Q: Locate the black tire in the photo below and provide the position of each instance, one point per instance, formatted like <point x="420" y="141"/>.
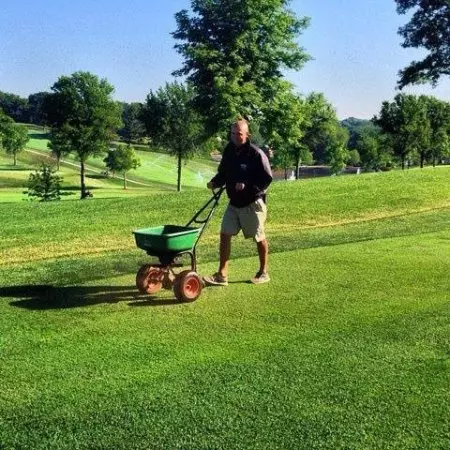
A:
<point x="149" y="279"/>
<point x="187" y="286"/>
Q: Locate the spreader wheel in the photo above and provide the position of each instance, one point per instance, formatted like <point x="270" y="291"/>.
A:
<point x="187" y="286"/>
<point x="149" y="279"/>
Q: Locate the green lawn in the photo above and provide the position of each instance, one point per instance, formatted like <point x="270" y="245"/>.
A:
<point x="156" y="168"/>
<point x="347" y="347"/>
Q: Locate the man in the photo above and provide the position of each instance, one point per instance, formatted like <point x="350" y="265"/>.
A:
<point x="246" y="173"/>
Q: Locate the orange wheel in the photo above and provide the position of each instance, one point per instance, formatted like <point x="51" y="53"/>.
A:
<point x="149" y="279"/>
<point x="187" y="286"/>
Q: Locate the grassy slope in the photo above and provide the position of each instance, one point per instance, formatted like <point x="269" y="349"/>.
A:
<point x="155" y="167"/>
<point x="347" y="347"/>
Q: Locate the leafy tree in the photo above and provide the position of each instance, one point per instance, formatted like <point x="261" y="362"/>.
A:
<point x="282" y="125"/>
<point x="428" y="28"/>
<point x="438" y="113"/>
<point x="354" y="157"/>
<point x="336" y="153"/>
<point x="374" y="149"/>
<point x="133" y="128"/>
<point x="319" y="125"/>
<point x="122" y="159"/>
<point x="44" y="184"/>
<point x="36" y="108"/>
<point x="172" y="122"/>
<point x="234" y="52"/>
<point x="83" y="117"/>
<point x="14" y="106"/>
<point x="405" y="120"/>
<point x="14" y="137"/>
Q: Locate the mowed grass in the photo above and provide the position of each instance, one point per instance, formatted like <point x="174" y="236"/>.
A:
<point x="347" y="347"/>
<point x="156" y="168"/>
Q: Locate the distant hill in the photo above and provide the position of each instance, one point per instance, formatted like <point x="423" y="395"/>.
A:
<point x="355" y="126"/>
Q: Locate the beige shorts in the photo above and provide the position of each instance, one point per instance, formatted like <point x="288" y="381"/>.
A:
<point x="250" y="219"/>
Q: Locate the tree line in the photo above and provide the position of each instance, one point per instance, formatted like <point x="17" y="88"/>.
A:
<point x="233" y="67"/>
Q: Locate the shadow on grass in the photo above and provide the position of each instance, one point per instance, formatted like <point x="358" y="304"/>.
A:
<point x="39" y="136"/>
<point x="45" y="297"/>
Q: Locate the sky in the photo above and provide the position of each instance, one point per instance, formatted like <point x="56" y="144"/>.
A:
<point x="354" y="44"/>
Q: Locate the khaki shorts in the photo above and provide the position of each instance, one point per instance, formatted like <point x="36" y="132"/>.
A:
<point x="250" y="219"/>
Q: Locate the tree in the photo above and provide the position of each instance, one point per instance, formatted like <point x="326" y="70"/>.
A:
<point x="234" y="52"/>
<point x="373" y="148"/>
<point x="44" y="184"/>
<point x="133" y="127"/>
<point x="439" y="119"/>
<point x="429" y="28"/>
<point x="122" y="159"/>
<point x="405" y="120"/>
<point x="36" y="108"/>
<point x="14" y="106"/>
<point x="13" y="137"/>
<point x="172" y="122"/>
<point x="336" y="153"/>
<point x="83" y="117"/>
<point x="319" y="124"/>
<point x="283" y="126"/>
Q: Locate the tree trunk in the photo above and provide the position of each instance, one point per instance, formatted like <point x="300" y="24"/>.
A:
<point x="83" y="186"/>
<point x="403" y="163"/>
<point x="422" y="158"/>
<point x="179" y="173"/>
<point x="297" y="167"/>
<point x="15" y="158"/>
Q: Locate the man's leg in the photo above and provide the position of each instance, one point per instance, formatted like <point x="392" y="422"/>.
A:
<point x="263" y="253"/>
<point x="225" y="251"/>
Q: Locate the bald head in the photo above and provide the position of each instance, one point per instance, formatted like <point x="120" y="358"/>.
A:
<point x="239" y="132"/>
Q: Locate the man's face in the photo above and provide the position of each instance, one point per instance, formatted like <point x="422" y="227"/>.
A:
<point x="239" y="134"/>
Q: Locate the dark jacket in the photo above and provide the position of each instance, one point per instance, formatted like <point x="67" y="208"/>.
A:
<point x="250" y="166"/>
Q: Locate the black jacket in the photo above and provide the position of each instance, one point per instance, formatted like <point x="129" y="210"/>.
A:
<point x="250" y="166"/>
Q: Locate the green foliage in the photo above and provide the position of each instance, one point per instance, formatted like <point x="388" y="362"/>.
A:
<point x="172" y="122"/>
<point x="336" y="153"/>
<point x="83" y="117"/>
<point x="44" y="184"/>
<point x="234" y="52"/>
<point x="417" y="126"/>
<point x="37" y="108"/>
<point x="354" y="158"/>
<point x="283" y="126"/>
<point x="122" y="159"/>
<point x="428" y="28"/>
<point x="373" y="148"/>
<point x="14" y="106"/>
<point x="13" y="137"/>
<point x="133" y="129"/>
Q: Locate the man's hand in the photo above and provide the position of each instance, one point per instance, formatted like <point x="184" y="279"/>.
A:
<point x="239" y="187"/>
<point x="210" y="185"/>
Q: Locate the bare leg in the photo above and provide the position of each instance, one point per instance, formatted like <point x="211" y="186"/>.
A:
<point x="263" y="253"/>
<point x="225" y="250"/>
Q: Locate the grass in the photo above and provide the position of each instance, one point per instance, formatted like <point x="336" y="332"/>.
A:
<point x="347" y="347"/>
<point x="156" y="168"/>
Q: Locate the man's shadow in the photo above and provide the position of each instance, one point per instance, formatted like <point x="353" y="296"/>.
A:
<point x="45" y="297"/>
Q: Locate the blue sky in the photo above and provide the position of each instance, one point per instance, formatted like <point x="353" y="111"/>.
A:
<point x="355" y="47"/>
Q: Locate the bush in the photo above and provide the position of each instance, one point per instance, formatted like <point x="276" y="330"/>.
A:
<point x="44" y="184"/>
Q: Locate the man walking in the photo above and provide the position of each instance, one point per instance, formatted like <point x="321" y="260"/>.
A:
<point x="246" y="173"/>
